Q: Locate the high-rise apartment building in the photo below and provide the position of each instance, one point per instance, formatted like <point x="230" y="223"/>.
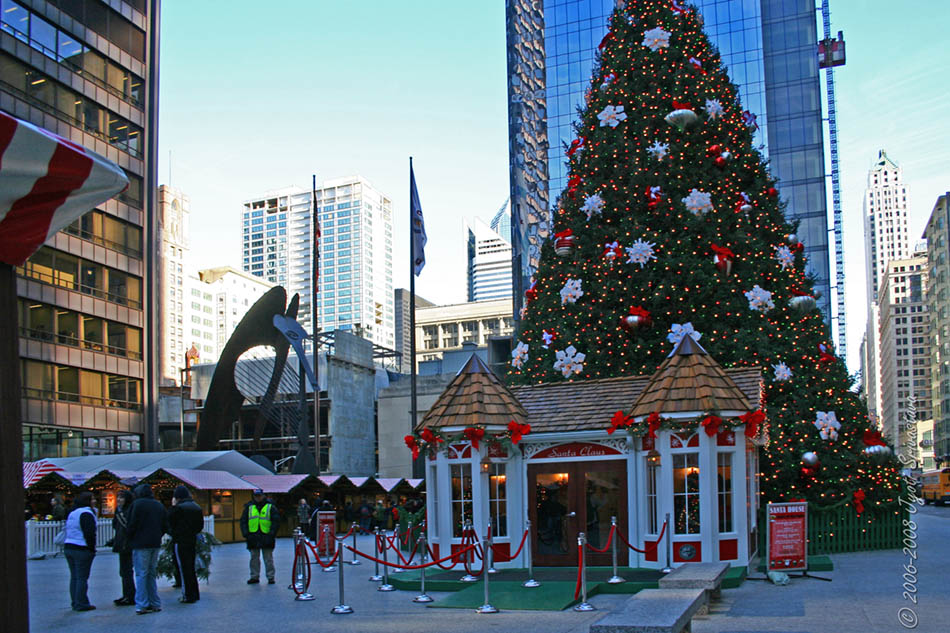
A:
<point x="489" y="263"/>
<point x="402" y="320"/>
<point x="886" y="239"/>
<point x="501" y="221"/>
<point x="770" y="49"/>
<point x="356" y="245"/>
<point x="88" y="71"/>
<point x="905" y="346"/>
<point x="937" y="235"/>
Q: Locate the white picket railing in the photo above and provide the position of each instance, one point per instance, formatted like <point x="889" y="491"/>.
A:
<point x="40" y="535"/>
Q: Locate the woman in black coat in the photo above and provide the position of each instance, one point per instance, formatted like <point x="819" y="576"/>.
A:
<point x="122" y="547"/>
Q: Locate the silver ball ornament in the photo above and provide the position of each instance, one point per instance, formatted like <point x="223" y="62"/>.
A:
<point x="810" y="459"/>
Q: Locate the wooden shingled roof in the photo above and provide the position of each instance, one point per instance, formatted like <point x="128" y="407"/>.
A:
<point x="587" y="405"/>
<point x="690" y="381"/>
<point x="474" y="397"/>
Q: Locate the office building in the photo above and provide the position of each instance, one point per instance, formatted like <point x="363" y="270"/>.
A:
<point x="356" y="290"/>
<point x="402" y="321"/>
<point x="501" y="221"/>
<point x="231" y="293"/>
<point x="174" y="210"/>
<point x="88" y="71"/>
<point x="937" y="235"/>
<point x="905" y="346"/>
<point x="489" y="263"/>
<point x="770" y="49"/>
<point x="446" y="328"/>
<point x="886" y="239"/>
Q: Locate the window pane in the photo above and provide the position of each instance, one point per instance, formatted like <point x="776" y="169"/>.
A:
<point x="724" y="479"/>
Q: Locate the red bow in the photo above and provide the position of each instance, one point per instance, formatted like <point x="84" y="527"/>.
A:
<point x="797" y="247"/>
<point x="859" y="501"/>
<point x="604" y="41"/>
<point x="653" y="423"/>
<point x="653" y="196"/>
<point x="677" y="8"/>
<point x="618" y="421"/>
<point x="517" y="431"/>
<point x="711" y="424"/>
<point x="749" y="119"/>
<point x="564" y="233"/>
<point x="681" y="105"/>
<point x="640" y="312"/>
<point x="413" y="446"/>
<point x="800" y="293"/>
<point x="430" y="437"/>
<point x="698" y="65"/>
<point x="572" y="184"/>
<point x="752" y="420"/>
<point x="873" y="438"/>
<point x="617" y="251"/>
<point x="473" y="434"/>
<point x="723" y="252"/>
<point x="576" y="144"/>
<point x="824" y="357"/>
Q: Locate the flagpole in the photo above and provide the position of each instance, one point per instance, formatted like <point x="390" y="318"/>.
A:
<point x="315" y="325"/>
<point x="412" y="308"/>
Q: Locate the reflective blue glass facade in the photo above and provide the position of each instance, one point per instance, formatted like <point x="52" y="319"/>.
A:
<point x="770" y="50"/>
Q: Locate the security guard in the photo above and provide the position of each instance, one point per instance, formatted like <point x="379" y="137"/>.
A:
<point x="259" y="527"/>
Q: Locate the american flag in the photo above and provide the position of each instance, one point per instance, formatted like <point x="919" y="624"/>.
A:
<point x="46" y="182"/>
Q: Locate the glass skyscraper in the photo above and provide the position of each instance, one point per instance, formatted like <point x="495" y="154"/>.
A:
<point x="770" y="50"/>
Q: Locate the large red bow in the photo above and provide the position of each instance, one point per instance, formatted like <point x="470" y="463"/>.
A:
<point x="518" y="430"/>
<point x="711" y="424"/>
<point x="564" y="233"/>
<point x="413" y="446"/>
<point x="576" y="144"/>
<point x="572" y="184"/>
<point x="619" y="420"/>
<point x="681" y="105"/>
<point x="653" y="423"/>
<point x="859" y="501"/>
<point x="473" y="434"/>
<point x="722" y="251"/>
<point x="824" y="357"/>
<point x="603" y="42"/>
<point x="428" y="436"/>
<point x="752" y="420"/>
<point x="873" y="438"/>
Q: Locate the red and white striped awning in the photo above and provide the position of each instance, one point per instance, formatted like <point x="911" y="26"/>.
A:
<point x="34" y="471"/>
<point x="46" y="182"/>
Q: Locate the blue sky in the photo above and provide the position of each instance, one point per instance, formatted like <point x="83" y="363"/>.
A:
<point x="257" y="96"/>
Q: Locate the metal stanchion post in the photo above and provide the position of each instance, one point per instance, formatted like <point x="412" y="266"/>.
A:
<point x="355" y="561"/>
<point x="669" y="546"/>
<point x="487" y="607"/>
<point x="376" y="577"/>
<point x="385" y="586"/>
<point x="490" y="553"/>
<point x="582" y="546"/>
<point x="295" y="582"/>
<point x="423" y="596"/>
<point x="302" y="564"/>
<point x="467" y="529"/>
<point x="342" y="608"/>
<point x="397" y="545"/>
<point x="615" y="579"/>
<point x="530" y="582"/>
<point x="328" y="539"/>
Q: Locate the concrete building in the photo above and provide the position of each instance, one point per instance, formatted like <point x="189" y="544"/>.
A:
<point x="233" y="292"/>
<point x="174" y="211"/>
<point x="356" y="291"/>
<point x="88" y="307"/>
<point x="489" y="262"/>
<point x="905" y="346"/>
<point x="886" y="239"/>
<point x="937" y="235"/>
<point x="402" y="320"/>
<point x="444" y="328"/>
<point x="551" y="54"/>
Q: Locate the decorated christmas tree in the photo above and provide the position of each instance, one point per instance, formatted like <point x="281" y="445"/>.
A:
<point x="671" y="226"/>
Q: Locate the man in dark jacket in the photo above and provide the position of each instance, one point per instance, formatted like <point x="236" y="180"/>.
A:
<point x="185" y="522"/>
<point x="122" y="547"/>
<point x="259" y="527"/>
<point x="147" y="523"/>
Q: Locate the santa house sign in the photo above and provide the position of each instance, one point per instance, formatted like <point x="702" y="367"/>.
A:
<point x="576" y="449"/>
<point x="787" y="536"/>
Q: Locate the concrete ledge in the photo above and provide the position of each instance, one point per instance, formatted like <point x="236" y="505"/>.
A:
<point x="654" y="611"/>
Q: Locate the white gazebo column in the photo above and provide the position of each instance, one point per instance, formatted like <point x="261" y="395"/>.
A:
<point x="708" y="491"/>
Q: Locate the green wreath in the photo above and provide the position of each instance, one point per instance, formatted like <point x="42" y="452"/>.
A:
<point x="203" y="546"/>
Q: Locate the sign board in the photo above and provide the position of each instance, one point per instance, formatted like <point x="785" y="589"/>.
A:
<point x="787" y="536"/>
<point x="326" y="518"/>
<point x="576" y="449"/>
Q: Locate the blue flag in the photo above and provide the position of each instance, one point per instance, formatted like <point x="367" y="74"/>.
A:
<point x="418" y="226"/>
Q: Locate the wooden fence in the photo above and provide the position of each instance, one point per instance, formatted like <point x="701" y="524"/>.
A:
<point x="839" y="529"/>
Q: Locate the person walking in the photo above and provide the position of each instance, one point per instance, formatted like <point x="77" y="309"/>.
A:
<point x="57" y="509"/>
<point x="303" y="516"/>
<point x="80" y="549"/>
<point x="122" y="547"/>
<point x="259" y="526"/>
<point x="147" y="523"/>
<point x="185" y="523"/>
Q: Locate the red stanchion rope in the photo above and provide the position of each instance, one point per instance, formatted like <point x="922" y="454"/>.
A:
<point x="317" y="556"/>
<point x="502" y="559"/>
<point x="580" y="558"/>
<point x="300" y="553"/>
<point x="613" y="528"/>
<point x="340" y="538"/>
<point x="411" y="555"/>
<point x="388" y="564"/>
<point x="452" y="566"/>
<point x="650" y="549"/>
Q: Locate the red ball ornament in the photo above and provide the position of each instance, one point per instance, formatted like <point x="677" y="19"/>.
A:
<point x="720" y="162"/>
<point x="564" y="242"/>
<point x="638" y="318"/>
<point x="713" y="150"/>
<point x="772" y="191"/>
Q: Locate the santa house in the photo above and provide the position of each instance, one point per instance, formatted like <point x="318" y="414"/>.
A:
<point x="570" y="456"/>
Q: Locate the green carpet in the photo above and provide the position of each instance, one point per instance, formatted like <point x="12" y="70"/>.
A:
<point x="636" y="578"/>
<point x="511" y="596"/>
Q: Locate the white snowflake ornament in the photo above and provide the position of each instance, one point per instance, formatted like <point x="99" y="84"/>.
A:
<point x="659" y="150"/>
<point x="759" y="299"/>
<point x="640" y="253"/>
<point x="519" y="355"/>
<point x="713" y="109"/>
<point x="593" y="204"/>
<point x="571" y="291"/>
<point x="785" y="257"/>
<point x="656" y="38"/>
<point x="698" y="202"/>
<point x="612" y="116"/>
<point x="827" y="424"/>
<point x="547" y="338"/>
<point x="679" y="331"/>
<point x="569" y="361"/>
<point x="782" y="372"/>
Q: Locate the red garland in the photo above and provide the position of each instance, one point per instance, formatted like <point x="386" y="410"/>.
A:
<point x="474" y="434"/>
<point x="711" y="424"/>
<point x="619" y="420"/>
<point x="413" y="446"/>
<point x="429" y="437"/>
<point x="653" y="423"/>
<point x="859" y="501"/>
<point x="518" y="431"/>
<point x="752" y="420"/>
<point x="873" y="438"/>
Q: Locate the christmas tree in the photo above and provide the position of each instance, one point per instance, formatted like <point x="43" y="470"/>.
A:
<point x="671" y="226"/>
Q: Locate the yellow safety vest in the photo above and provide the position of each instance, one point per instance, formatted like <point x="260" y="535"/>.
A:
<point x="257" y="518"/>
